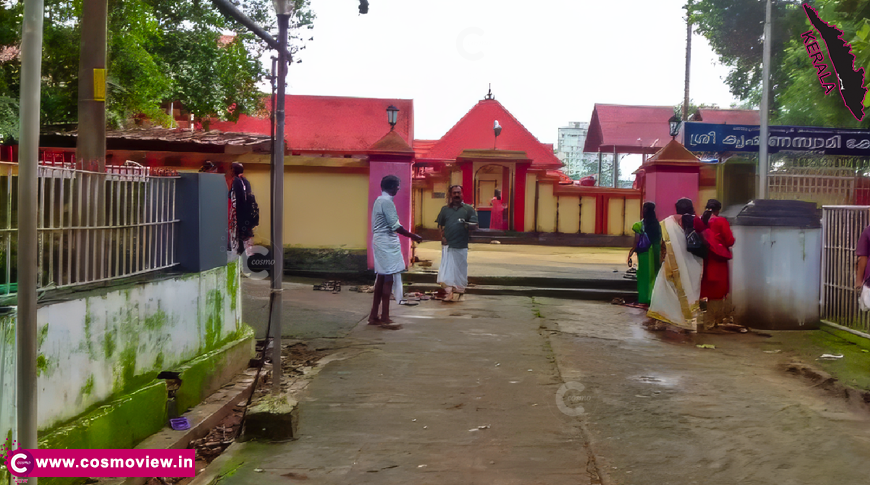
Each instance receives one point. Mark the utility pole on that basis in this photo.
(685, 115)
(28, 156)
(91, 140)
(761, 190)
(277, 293)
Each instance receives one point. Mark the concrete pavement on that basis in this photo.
(566, 391)
(464, 393)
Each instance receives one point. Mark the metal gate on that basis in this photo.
(823, 179)
(841, 227)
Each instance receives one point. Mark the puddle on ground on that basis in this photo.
(657, 379)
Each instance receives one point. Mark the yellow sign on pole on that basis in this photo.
(99, 85)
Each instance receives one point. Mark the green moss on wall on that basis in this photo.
(110, 342)
(44, 365)
(43, 335)
(232, 276)
(214, 323)
(120, 424)
(89, 346)
(88, 388)
(197, 375)
(157, 321)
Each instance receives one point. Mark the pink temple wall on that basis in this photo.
(665, 188)
(377, 171)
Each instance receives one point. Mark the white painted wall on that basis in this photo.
(95, 345)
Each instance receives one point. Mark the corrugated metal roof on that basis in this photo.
(728, 116)
(332, 123)
(622, 126)
(177, 135)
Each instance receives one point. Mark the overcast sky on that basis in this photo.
(548, 61)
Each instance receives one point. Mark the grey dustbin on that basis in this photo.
(776, 269)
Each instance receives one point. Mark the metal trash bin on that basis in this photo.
(776, 269)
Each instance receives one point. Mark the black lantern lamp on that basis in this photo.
(283, 7)
(392, 115)
(674, 123)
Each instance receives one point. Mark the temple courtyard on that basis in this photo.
(526, 389)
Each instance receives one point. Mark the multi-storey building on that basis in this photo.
(570, 151)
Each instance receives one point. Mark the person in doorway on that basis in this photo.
(455, 221)
(677, 288)
(648, 247)
(387, 251)
(496, 221)
(241, 211)
(715, 283)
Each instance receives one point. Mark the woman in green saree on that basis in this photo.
(648, 260)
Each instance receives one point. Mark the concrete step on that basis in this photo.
(612, 283)
(600, 294)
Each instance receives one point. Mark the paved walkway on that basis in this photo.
(464, 394)
(534, 261)
(565, 391)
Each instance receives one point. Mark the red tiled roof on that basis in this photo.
(334, 124)
(728, 116)
(391, 143)
(475, 132)
(621, 126)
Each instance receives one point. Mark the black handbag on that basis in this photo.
(696, 244)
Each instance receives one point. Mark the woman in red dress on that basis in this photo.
(715, 284)
(497, 222)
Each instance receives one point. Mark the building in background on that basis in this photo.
(579, 164)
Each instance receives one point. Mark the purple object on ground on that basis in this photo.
(179, 424)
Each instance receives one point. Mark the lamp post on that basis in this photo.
(283, 8)
(674, 124)
(392, 116)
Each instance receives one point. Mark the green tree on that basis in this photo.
(158, 51)
(803, 101)
(734, 29)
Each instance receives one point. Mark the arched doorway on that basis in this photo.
(488, 179)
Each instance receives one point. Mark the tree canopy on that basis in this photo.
(158, 51)
(735, 31)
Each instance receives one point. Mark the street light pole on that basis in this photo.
(763, 167)
(276, 295)
(31, 68)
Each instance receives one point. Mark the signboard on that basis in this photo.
(707, 137)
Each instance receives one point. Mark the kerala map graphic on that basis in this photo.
(849, 80)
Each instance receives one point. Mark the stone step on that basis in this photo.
(599, 294)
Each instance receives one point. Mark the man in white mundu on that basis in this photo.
(455, 221)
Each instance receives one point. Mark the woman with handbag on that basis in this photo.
(677, 289)
(648, 247)
(715, 284)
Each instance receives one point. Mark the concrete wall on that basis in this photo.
(531, 182)
(430, 206)
(325, 206)
(546, 221)
(111, 342)
(569, 214)
(587, 215)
